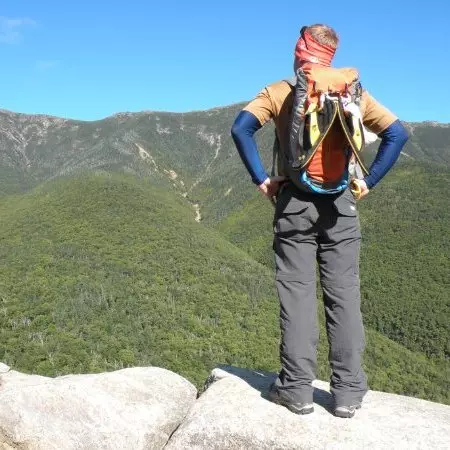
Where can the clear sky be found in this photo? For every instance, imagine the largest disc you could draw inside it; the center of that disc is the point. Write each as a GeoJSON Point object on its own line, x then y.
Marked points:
{"type": "Point", "coordinates": [90, 59]}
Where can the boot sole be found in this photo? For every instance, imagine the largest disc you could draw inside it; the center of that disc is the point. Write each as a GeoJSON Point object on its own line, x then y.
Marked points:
{"type": "Point", "coordinates": [291, 407]}
{"type": "Point", "coordinates": [346, 414]}
{"type": "Point", "coordinates": [301, 411]}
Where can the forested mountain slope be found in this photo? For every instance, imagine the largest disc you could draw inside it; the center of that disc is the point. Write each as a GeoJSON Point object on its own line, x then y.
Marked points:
{"type": "Point", "coordinates": [104, 264]}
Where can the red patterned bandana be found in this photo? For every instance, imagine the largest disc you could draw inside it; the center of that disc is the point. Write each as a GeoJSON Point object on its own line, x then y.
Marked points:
{"type": "Point", "coordinates": [308, 50]}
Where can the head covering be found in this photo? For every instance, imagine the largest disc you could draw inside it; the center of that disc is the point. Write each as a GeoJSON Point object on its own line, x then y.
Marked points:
{"type": "Point", "coordinates": [308, 50]}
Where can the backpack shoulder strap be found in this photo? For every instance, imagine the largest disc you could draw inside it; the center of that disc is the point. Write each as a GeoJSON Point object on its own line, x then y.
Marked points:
{"type": "Point", "coordinates": [275, 152]}
{"type": "Point", "coordinates": [291, 81]}
{"type": "Point", "coordinates": [297, 124]}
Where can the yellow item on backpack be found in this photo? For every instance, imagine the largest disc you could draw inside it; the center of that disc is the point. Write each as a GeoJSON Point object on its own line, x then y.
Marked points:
{"type": "Point", "coordinates": [355, 188]}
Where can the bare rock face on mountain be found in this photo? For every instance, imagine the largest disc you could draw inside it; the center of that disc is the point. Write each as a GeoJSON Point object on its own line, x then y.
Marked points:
{"type": "Point", "coordinates": [135, 408]}
{"type": "Point", "coordinates": [233, 414]}
{"type": "Point", "coordinates": [36, 148]}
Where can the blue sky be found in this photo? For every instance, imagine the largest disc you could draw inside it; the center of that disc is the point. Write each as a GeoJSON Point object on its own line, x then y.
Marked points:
{"type": "Point", "coordinates": [90, 59]}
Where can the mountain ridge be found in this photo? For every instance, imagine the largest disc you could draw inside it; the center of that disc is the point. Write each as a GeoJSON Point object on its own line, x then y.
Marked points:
{"type": "Point", "coordinates": [193, 111]}
{"type": "Point", "coordinates": [196, 146]}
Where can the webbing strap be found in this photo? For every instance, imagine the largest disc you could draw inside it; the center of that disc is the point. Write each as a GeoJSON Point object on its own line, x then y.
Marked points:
{"type": "Point", "coordinates": [275, 153]}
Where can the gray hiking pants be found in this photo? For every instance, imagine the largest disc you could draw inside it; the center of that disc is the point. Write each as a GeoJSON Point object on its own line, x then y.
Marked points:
{"type": "Point", "coordinates": [322, 228]}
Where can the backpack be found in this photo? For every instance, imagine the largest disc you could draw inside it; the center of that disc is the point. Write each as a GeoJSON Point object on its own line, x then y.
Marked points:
{"type": "Point", "coordinates": [325, 129]}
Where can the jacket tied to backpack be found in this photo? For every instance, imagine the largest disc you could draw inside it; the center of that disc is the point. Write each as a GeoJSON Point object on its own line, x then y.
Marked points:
{"type": "Point", "coordinates": [326, 140]}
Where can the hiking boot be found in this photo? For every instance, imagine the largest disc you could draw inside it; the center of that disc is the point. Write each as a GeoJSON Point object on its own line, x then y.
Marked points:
{"type": "Point", "coordinates": [346, 412]}
{"type": "Point", "coordinates": [295, 407]}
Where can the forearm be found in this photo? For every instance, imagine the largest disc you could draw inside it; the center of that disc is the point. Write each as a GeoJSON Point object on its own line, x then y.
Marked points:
{"type": "Point", "coordinates": [243, 130]}
{"type": "Point", "coordinates": [392, 141]}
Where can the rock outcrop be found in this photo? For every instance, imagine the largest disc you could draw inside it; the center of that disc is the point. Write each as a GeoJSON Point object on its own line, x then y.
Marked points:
{"type": "Point", "coordinates": [233, 414]}
{"type": "Point", "coordinates": [152, 408]}
{"type": "Point", "coordinates": [135, 408]}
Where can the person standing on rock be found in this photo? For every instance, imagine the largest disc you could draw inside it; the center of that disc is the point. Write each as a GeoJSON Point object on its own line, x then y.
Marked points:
{"type": "Point", "coordinates": [319, 118]}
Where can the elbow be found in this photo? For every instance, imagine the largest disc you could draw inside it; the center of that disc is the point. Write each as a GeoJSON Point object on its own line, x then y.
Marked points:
{"type": "Point", "coordinates": [399, 133]}
{"type": "Point", "coordinates": [236, 130]}
{"type": "Point", "coordinates": [245, 124]}
{"type": "Point", "coordinates": [402, 133]}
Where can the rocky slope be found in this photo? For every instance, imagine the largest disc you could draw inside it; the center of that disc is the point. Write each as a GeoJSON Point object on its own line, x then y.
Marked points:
{"type": "Point", "coordinates": [140, 408]}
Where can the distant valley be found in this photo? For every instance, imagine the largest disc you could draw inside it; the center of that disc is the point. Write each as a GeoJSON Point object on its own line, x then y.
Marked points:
{"type": "Point", "coordinates": [139, 239]}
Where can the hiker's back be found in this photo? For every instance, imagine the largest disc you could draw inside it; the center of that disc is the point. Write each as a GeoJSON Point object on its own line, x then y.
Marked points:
{"type": "Point", "coordinates": [326, 131]}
